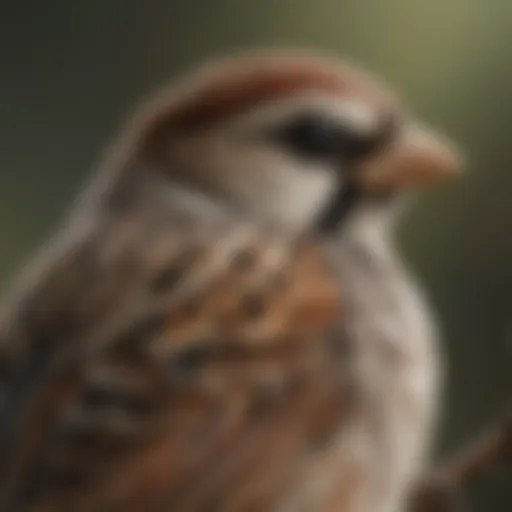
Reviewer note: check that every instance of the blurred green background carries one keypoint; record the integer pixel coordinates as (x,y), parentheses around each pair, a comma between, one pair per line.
(71,72)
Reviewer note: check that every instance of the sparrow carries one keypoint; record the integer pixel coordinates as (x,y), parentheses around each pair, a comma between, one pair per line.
(222,323)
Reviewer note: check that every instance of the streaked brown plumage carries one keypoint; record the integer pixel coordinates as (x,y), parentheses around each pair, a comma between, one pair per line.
(187,342)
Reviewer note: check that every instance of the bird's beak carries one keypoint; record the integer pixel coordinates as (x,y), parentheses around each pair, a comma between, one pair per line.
(416,158)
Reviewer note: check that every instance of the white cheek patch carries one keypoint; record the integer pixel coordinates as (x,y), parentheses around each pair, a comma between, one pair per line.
(299,195)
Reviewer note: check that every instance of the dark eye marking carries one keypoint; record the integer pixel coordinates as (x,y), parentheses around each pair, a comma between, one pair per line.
(316,135)
(312,135)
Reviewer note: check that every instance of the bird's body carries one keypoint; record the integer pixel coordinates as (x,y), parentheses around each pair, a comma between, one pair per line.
(206,334)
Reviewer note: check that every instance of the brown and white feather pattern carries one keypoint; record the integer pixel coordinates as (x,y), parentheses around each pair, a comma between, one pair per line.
(182,346)
(195,363)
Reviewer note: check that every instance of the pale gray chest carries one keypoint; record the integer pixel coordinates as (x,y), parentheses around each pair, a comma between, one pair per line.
(395,360)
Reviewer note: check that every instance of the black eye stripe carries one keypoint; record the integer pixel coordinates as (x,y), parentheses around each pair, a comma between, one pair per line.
(312,135)
(316,135)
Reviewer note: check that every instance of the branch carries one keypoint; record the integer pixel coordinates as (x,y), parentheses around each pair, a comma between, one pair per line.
(441,492)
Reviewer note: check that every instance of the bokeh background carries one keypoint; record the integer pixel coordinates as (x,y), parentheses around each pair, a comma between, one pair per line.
(72,71)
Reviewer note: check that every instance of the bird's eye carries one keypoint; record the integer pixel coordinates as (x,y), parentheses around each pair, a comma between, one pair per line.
(312,135)
(318,136)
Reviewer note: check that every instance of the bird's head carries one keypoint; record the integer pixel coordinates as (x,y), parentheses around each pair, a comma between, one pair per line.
(291,138)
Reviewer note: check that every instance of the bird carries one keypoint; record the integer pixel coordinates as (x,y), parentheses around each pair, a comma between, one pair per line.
(222,321)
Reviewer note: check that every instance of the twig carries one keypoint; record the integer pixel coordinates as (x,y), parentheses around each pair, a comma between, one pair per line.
(481,457)
(441,491)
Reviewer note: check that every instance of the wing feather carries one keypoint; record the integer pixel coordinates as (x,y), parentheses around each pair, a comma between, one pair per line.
(175,368)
